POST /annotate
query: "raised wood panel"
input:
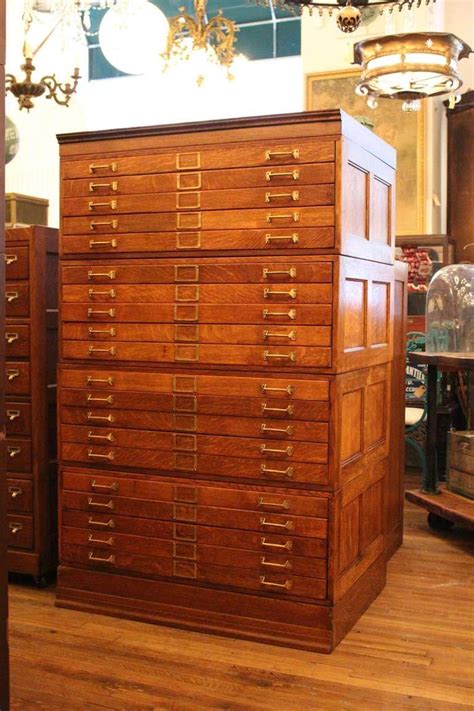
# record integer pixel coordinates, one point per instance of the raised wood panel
(352, 413)
(375, 420)
(355, 314)
(381, 211)
(356, 208)
(349, 542)
(380, 314)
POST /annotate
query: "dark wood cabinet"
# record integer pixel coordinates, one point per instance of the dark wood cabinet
(227, 313)
(461, 176)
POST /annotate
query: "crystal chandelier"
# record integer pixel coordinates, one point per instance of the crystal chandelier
(409, 67)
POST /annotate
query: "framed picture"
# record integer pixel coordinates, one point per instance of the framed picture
(404, 131)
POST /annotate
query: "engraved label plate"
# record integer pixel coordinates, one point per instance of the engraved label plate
(186, 272)
(187, 334)
(189, 354)
(185, 494)
(187, 292)
(184, 312)
(188, 181)
(188, 161)
(186, 423)
(188, 240)
(184, 384)
(185, 403)
(188, 220)
(188, 201)
(185, 443)
(185, 462)
(184, 570)
(187, 551)
(181, 512)
(184, 532)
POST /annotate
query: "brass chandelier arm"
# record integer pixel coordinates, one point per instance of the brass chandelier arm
(67, 89)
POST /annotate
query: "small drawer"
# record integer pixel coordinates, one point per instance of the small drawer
(17, 418)
(19, 496)
(17, 378)
(18, 455)
(17, 340)
(20, 531)
(17, 299)
(16, 263)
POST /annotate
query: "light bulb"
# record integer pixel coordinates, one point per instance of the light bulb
(372, 102)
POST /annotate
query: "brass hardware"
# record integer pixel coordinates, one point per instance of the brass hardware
(107, 381)
(109, 436)
(109, 331)
(288, 451)
(287, 585)
(95, 186)
(286, 410)
(13, 451)
(289, 525)
(294, 153)
(291, 314)
(15, 527)
(291, 335)
(111, 203)
(294, 196)
(281, 430)
(109, 559)
(107, 487)
(287, 564)
(111, 350)
(284, 272)
(101, 418)
(103, 223)
(15, 491)
(274, 238)
(289, 390)
(104, 166)
(288, 545)
(94, 455)
(11, 296)
(13, 414)
(111, 293)
(11, 259)
(294, 216)
(110, 505)
(12, 373)
(109, 399)
(11, 337)
(106, 275)
(288, 472)
(267, 293)
(284, 356)
(98, 242)
(108, 541)
(277, 504)
(95, 312)
(103, 524)
(295, 174)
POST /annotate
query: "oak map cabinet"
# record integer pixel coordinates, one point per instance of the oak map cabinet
(227, 299)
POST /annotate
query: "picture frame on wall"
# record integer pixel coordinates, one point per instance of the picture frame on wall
(404, 131)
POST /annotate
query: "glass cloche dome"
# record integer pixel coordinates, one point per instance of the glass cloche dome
(450, 310)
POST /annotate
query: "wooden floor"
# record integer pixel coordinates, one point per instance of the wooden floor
(414, 649)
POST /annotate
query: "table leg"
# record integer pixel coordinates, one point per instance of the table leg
(430, 479)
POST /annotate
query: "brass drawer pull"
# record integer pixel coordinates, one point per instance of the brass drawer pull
(16, 527)
(13, 415)
(102, 418)
(11, 337)
(13, 451)
(268, 293)
(96, 559)
(15, 491)
(288, 472)
(103, 223)
(95, 312)
(284, 272)
(294, 153)
(11, 296)
(104, 524)
(288, 451)
(107, 542)
(111, 203)
(103, 242)
(284, 356)
(12, 373)
(288, 545)
(294, 196)
(103, 166)
(106, 487)
(11, 259)
(98, 504)
(111, 350)
(270, 174)
(289, 390)
(287, 564)
(109, 399)
(281, 430)
(101, 275)
(111, 293)
(109, 436)
(96, 186)
(94, 455)
(294, 216)
(289, 525)
(274, 238)
(287, 585)
(284, 410)
(291, 314)
(291, 335)
(90, 380)
(285, 505)
(109, 331)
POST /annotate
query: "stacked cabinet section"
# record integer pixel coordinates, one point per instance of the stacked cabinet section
(226, 344)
